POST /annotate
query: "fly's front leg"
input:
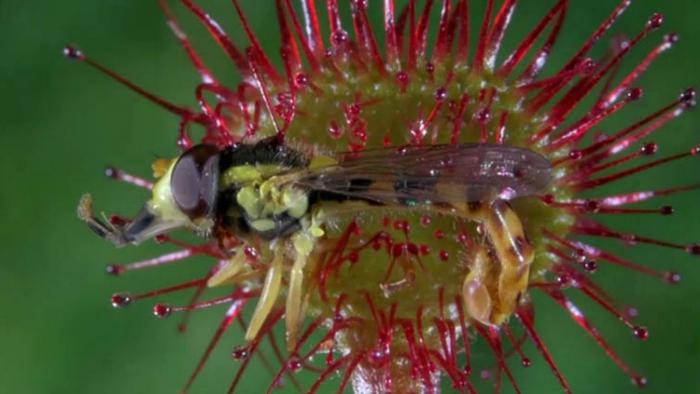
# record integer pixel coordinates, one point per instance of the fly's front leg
(237, 270)
(231, 271)
(268, 295)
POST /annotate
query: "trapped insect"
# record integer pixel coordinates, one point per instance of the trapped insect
(272, 193)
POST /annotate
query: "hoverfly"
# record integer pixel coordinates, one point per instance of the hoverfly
(269, 192)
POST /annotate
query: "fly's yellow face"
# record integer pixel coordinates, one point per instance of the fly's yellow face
(183, 197)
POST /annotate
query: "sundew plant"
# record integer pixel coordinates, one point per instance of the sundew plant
(382, 202)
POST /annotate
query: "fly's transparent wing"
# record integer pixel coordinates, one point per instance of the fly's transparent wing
(433, 174)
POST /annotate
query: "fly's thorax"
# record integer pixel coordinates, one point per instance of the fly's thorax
(269, 206)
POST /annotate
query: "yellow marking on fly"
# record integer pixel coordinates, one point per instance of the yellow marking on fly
(295, 201)
(321, 161)
(161, 166)
(267, 199)
(249, 174)
(263, 225)
(260, 194)
(162, 204)
(249, 199)
(305, 239)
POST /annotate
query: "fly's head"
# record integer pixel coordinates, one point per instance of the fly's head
(184, 197)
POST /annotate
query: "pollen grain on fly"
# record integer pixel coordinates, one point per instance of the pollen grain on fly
(390, 206)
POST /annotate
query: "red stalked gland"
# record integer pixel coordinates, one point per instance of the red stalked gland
(162, 311)
(121, 300)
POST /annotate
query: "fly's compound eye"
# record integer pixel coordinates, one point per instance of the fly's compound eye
(194, 180)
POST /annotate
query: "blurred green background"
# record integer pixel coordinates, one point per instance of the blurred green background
(61, 123)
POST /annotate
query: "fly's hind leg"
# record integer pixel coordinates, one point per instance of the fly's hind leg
(233, 271)
(237, 270)
(513, 254)
(477, 286)
(514, 251)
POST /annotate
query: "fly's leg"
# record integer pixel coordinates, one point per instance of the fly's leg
(475, 289)
(512, 252)
(305, 243)
(515, 253)
(237, 270)
(268, 295)
(231, 271)
(307, 249)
